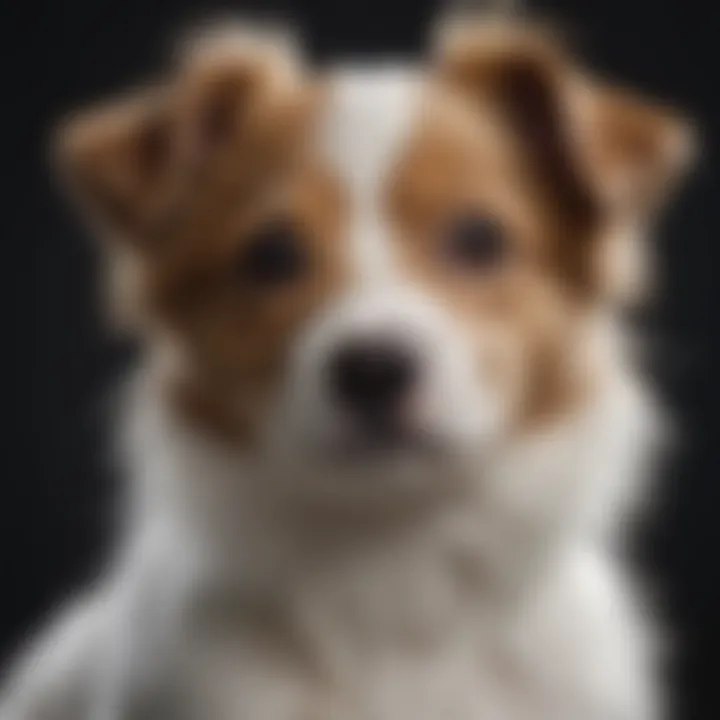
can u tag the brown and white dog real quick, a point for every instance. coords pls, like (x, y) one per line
(387, 432)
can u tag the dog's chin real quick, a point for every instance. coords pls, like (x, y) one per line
(380, 467)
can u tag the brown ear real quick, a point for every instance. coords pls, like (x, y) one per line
(227, 74)
(635, 150)
(590, 143)
(118, 160)
(244, 100)
(132, 161)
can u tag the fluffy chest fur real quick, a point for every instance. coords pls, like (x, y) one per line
(414, 636)
(563, 656)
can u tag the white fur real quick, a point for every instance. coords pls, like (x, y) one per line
(371, 114)
(494, 593)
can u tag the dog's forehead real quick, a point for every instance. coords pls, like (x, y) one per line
(369, 117)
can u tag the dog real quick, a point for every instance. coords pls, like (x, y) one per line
(387, 432)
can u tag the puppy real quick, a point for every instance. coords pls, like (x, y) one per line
(387, 432)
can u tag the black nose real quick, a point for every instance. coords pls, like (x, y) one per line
(371, 378)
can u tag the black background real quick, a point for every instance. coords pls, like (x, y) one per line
(56, 488)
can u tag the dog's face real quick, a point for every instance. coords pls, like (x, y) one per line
(378, 269)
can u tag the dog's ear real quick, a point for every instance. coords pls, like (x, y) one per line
(132, 162)
(592, 143)
(118, 160)
(606, 159)
(239, 91)
(634, 150)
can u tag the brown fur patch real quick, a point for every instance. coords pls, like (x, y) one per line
(516, 131)
(186, 195)
(235, 336)
(524, 313)
(605, 157)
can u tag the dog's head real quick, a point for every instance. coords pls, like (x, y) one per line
(375, 269)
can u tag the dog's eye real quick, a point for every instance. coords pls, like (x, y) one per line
(274, 255)
(475, 242)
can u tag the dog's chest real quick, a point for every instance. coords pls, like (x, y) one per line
(453, 680)
(417, 644)
(403, 645)
(416, 631)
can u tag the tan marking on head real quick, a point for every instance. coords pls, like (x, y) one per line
(514, 131)
(235, 157)
(608, 155)
(235, 334)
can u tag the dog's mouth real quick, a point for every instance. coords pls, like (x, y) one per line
(383, 464)
(383, 443)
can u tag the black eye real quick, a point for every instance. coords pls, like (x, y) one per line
(275, 255)
(475, 242)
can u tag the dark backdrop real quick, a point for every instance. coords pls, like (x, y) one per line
(56, 488)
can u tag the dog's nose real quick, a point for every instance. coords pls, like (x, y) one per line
(371, 378)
